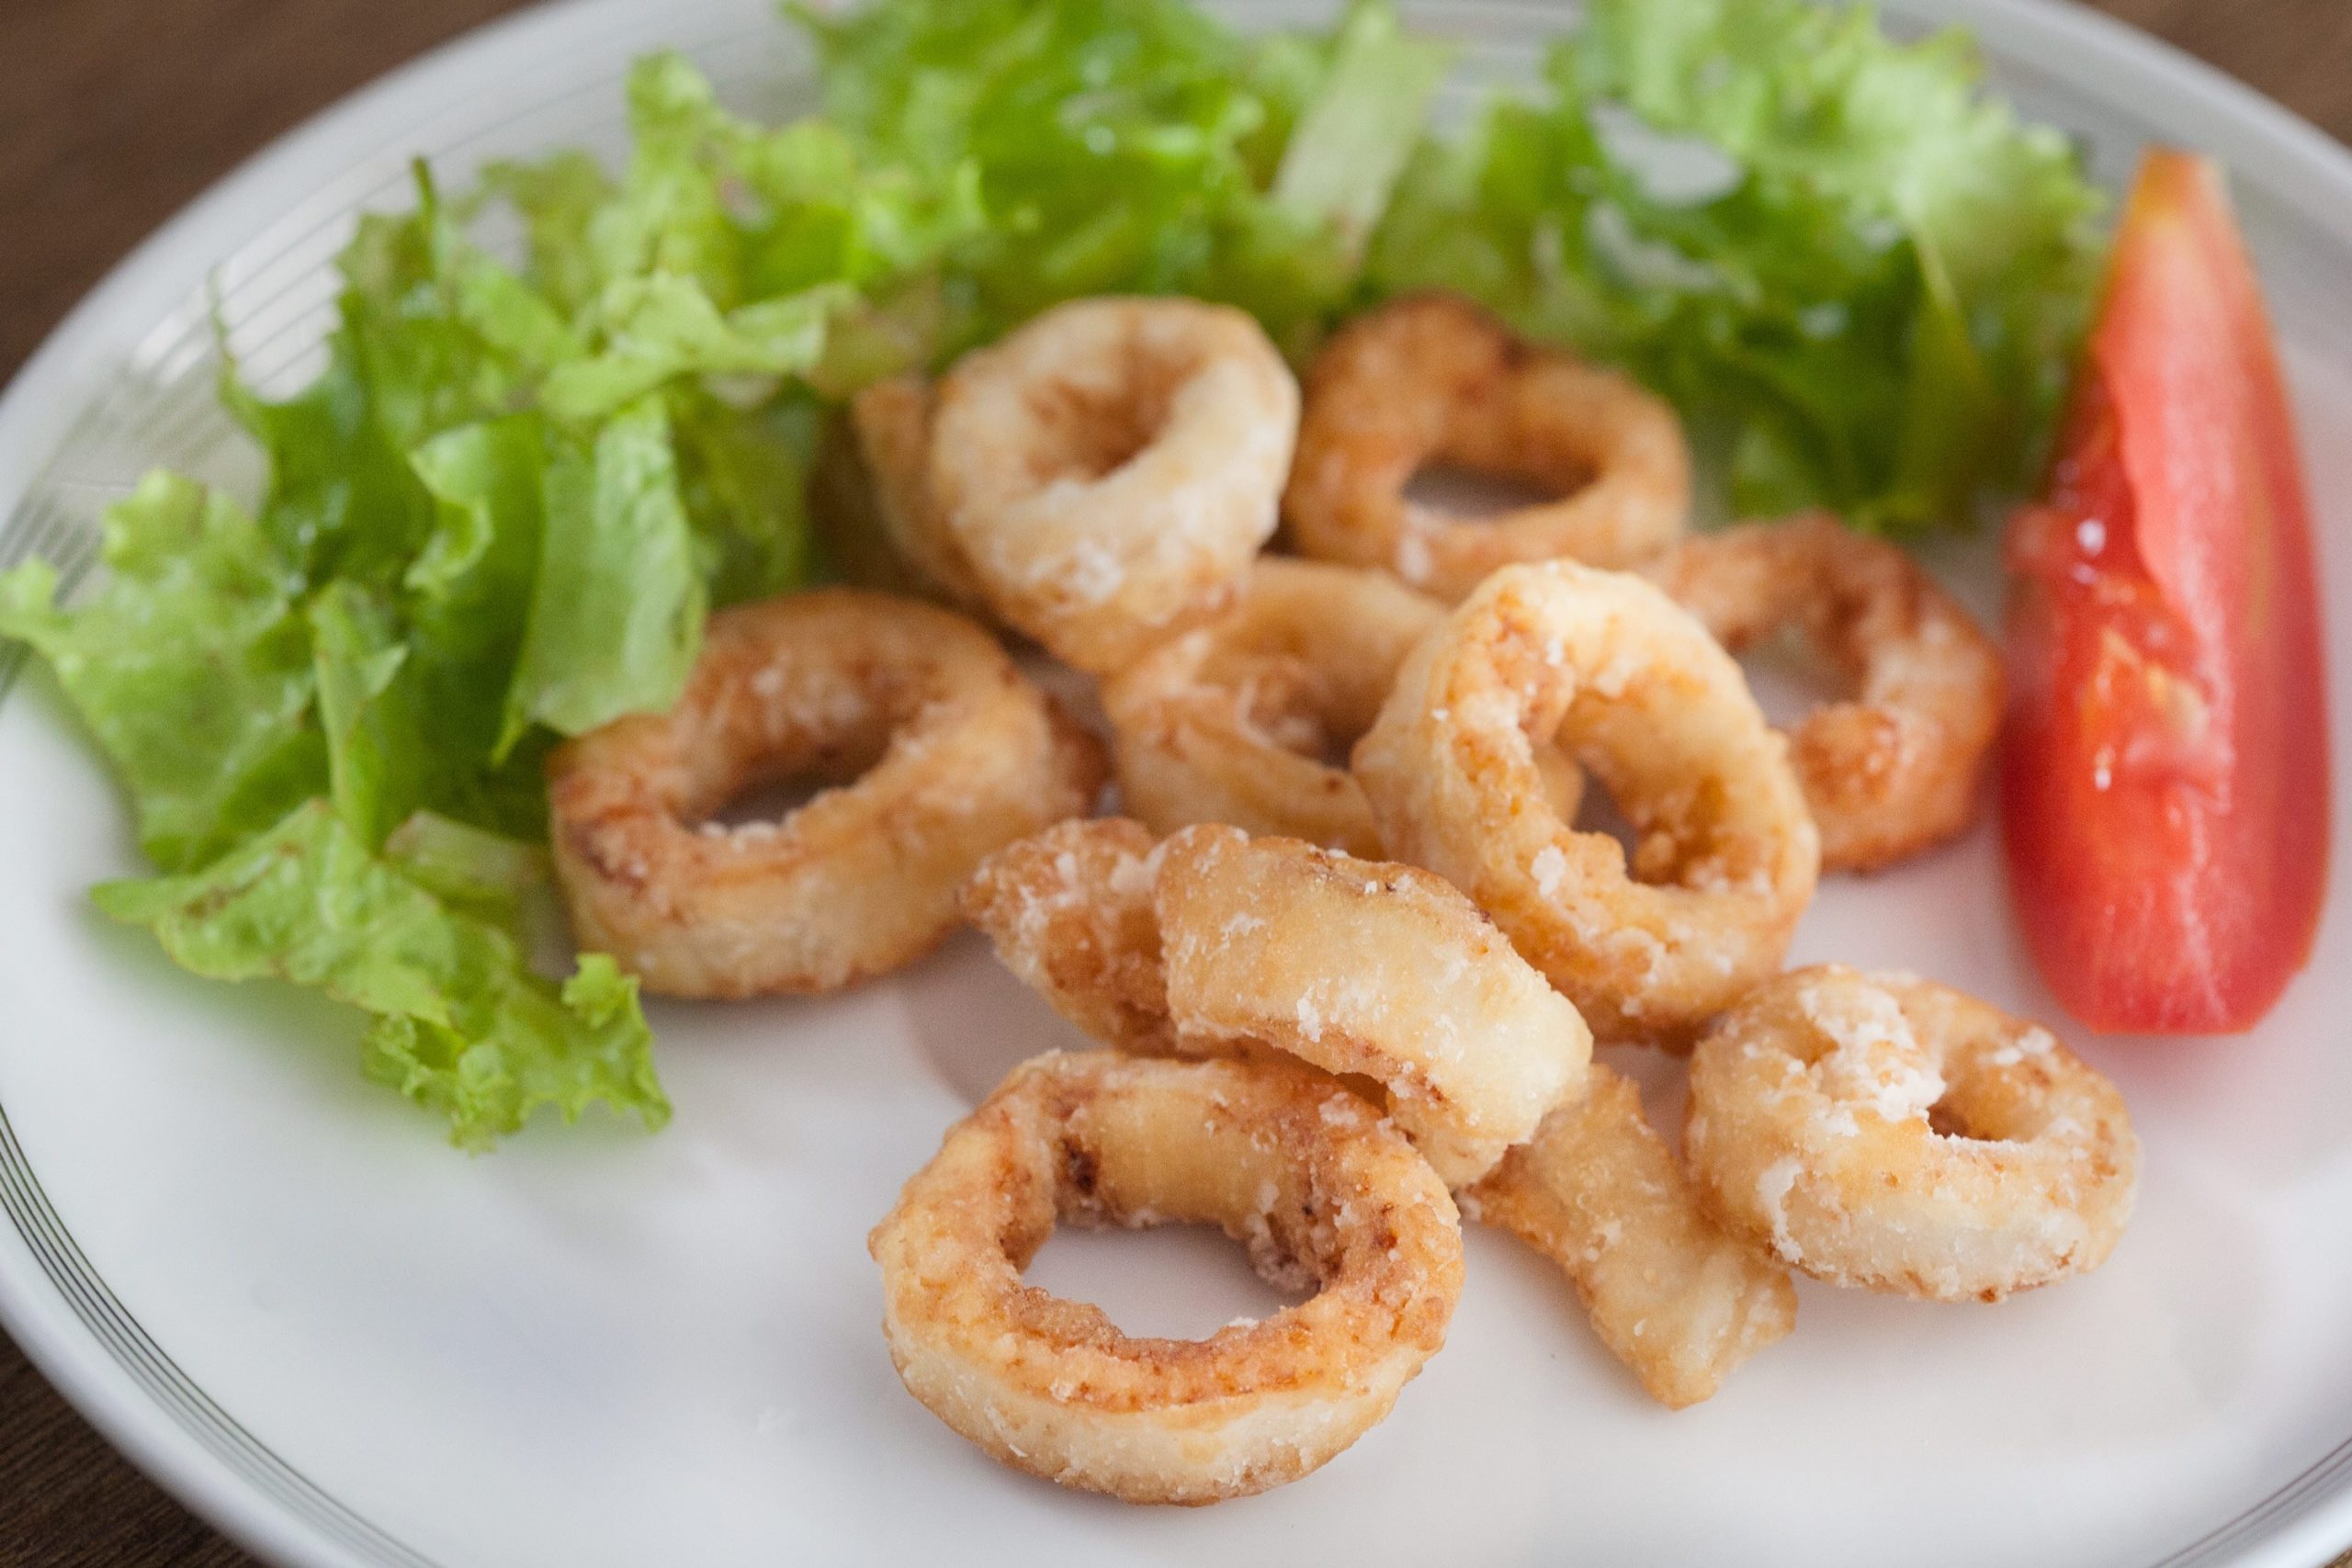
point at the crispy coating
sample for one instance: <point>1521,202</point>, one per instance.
<point>1249,719</point>
<point>890,423</point>
<point>1235,720</point>
<point>941,752</point>
<point>1308,1174</point>
<point>1675,1297</point>
<point>1902,1136</point>
<point>1370,969</point>
<point>1110,470</point>
<point>1432,378</point>
<point>1605,665</point>
<point>1070,911</point>
<point>1893,770</point>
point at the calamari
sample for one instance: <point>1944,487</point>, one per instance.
<point>1323,1192</point>
<point>1606,666</point>
<point>938,751</point>
<point>1432,378</point>
<point>1895,1135</point>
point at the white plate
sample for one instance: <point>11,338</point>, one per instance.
<point>275,1287</point>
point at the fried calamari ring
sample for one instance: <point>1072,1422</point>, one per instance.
<point>1070,912</point>
<point>1893,770</point>
<point>1306,1173</point>
<point>952,751</point>
<point>890,422</point>
<point>1604,665</point>
<point>1432,378</point>
<point>1110,470</point>
<point>1234,721</point>
<point>1238,720</point>
<point>1376,970</point>
<point>1899,1136</point>
<point>1673,1296</point>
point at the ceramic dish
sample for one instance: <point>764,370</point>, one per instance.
<point>280,1291</point>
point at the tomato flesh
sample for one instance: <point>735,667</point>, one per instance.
<point>2164,771</point>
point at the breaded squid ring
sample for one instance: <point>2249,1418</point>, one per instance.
<point>1893,770</point>
<point>1607,667</point>
<point>1432,378</point>
<point>1370,969</point>
<point>1110,470</point>
<point>1307,1174</point>
<point>1070,911</point>
<point>890,422</point>
<point>1675,1297</point>
<point>1898,1135</point>
<point>952,751</point>
<point>1234,721</point>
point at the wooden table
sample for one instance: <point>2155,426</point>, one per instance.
<point>115,112</point>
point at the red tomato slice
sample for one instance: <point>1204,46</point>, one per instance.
<point>2164,773</point>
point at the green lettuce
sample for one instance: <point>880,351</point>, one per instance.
<point>461,1025</point>
<point>715,214</point>
<point>617,612</point>
<point>1351,140</point>
<point>1135,146</point>
<point>1858,274</point>
<point>192,668</point>
<point>745,476</point>
<point>368,710</point>
<point>658,328</point>
<point>467,599</point>
<point>432,334</point>
<point>482,874</point>
<point>439,579</point>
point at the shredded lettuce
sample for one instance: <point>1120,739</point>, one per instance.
<point>1856,273</point>
<point>1351,141</point>
<point>467,595</point>
<point>192,669</point>
<point>660,327</point>
<point>375,730</point>
<point>744,476</point>
<point>461,1024</point>
<point>616,615</point>
<point>1135,146</point>
<point>278,749</point>
<point>481,872</point>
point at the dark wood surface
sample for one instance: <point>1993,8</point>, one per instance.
<point>115,112</point>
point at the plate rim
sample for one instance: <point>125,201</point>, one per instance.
<point>59,1310</point>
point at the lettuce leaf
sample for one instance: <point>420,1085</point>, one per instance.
<point>1343,161</point>
<point>744,475</point>
<point>368,708</point>
<point>1134,145</point>
<point>617,612</point>
<point>663,326</point>
<point>191,666</point>
<point>461,1024</point>
<point>467,599</point>
<point>1856,273</point>
<point>479,872</point>
<point>432,334</point>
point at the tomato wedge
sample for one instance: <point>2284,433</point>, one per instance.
<point>2164,773</point>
